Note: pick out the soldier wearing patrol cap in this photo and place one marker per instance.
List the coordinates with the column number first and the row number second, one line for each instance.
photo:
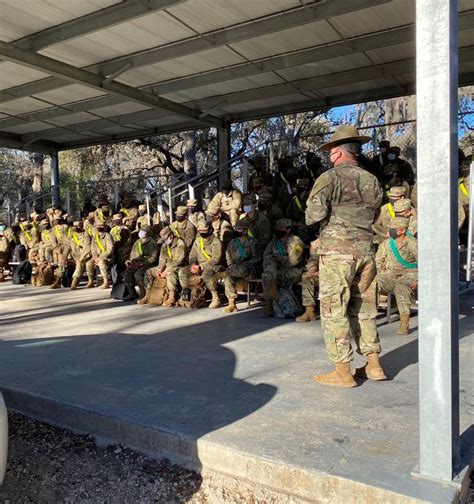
column 193, row 213
column 122, row 238
column 102, row 255
column 205, row 261
column 268, row 208
column 404, row 208
column 297, row 207
column 259, row 227
column 4, row 248
column 310, row 284
column 243, row 262
column 80, row 251
column 387, row 212
column 282, row 263
column 344, row 200
column 45, row 251
column 397, row 268
column 142, row 218
column 227, row 201
column 182, row 228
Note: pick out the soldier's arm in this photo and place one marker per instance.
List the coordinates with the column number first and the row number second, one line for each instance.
column 381, row 257
column 378, row 225
column 179, row 254
column 264, row 232
column 163, row 259
column 228, row 256
column 317, row 206
column 215, row 204
column 193, row 255
column 295, row 251
column 109, row 247
column 153, row 253
column 254, row 259
column 236, row 200
column 216, row 253
column 268, row 254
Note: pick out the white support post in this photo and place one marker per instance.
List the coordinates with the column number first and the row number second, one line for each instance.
column 437, row 168
column 191, row 191
column 170, row 204
column 159, row 207
column 470, row 233
column 116, row 195
column 148, row 209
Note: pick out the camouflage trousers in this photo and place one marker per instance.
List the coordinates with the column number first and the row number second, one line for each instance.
column 3, row 261
column 103, row 267
column 347, row 294
column 172, row 280
column 235, row 273
column 309, row 289
column 400, row 285
column 80, row 267
column 45, row 253
column 33, row 254
column 135, row 277
column 275, row 276
column 210, row 275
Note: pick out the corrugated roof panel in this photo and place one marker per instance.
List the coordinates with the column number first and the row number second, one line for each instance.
column 287, row 40
column 115, row 130
column 12, row 74
column 160, row 121
column 207, row 15
column 145, row 32
column 22, row 106
column 466, row 37
column 28, row 128
column 71, row 93
column 180, row 67
column 356, row 87
column 393, row 53
column 270, row 102
column 123, row 108
column 70, row 119
column 47, row 13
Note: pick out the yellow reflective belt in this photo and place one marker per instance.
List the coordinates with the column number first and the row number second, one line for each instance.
column 283, row 178
column 176, row 232
column 89, row 230
column 76, row 239
column 463, row 187
column 116, row 233
column 298, row 203
column 28, row 236
column 101, row 215
column 391, row 211
column 140, row 248
column 250, row 234
column 69, row 231
column 204, row 253
column 45, row 234
column 99, row 243
column 168, row 250
column 125, row 211
column 22, row 227
column 57, row 232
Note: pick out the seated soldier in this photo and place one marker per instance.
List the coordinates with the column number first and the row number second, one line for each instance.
column 143, row 255
column 392, row 179
column 404, row 208
column 142, row 219
column 396, row 261
column 242, row 262
column 204, row 261
column 282, row 263
column 193, row 213
column 227, row 201
column 221, row 227
column 269, row 209
column 182, row 227
column 310, row 285
column 89, row 224
column 104, row 209
column 297, row 207
column 80, row 251
column 102, row 253
column 122, row 238
column 386, row 213
column 259, row 227
column 129, row 211
column 172, row 256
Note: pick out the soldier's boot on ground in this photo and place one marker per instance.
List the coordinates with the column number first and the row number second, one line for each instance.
column 404, row 328
column 56, row 284
column 132, row 293
column 308, row 316
column 231, row 307
column 215, row 302
column 74, row 283
column 105, row 284
column 268, row 310
column 272, row 292
column 171, row 301
column 340, row 377
column 372, row 370
column 2, row 278
column 90, row 282
column 144, row 299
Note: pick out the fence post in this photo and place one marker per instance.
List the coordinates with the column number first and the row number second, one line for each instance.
column 148, row 209
column 159, row 207
column 170, row 204
column 27, row 209
column 375, row 142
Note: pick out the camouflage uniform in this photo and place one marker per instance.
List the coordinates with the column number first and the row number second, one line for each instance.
column 229, row 204
column 223, row 230
column 80, row 251
column 45, row 251
column 142, row 218
column 122, row 242
column 184, row 230
column 259, row 228
column 4, row 249
column 344, row 200
column 386, row 213
column 402, row 207
column 395, row 277
column 143, row 255
column 102, row 253
column 310, row 283
column 282, row 264
column 130, row 215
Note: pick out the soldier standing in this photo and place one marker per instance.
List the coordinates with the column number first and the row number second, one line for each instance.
column 344, row 200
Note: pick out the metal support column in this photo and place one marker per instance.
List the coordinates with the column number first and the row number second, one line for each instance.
column 223, row 152
column 55, row 178
column 437, row 167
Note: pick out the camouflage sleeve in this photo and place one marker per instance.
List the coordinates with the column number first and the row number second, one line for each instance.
column 193, row 255
column 180, row 253
column 254, row 259
column 215, row 204
column 317, row 205
column 381, row 257
column 378, row 225
column 109, row 247
column 163, row 259
column 268, row 254
column 236, row 200
column 413, row 248
column 378, row 193
column 264, row 232
column 295, row 251
column 216, row 253
column 228, row 254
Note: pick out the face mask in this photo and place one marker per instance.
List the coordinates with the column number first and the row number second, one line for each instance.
column 141, row 234
column 205, row 234
column 391, row 156
column 248, row 208
column 393, row 200
column 180, row 218
column 2, row 228
column 280, row 233
column 169, row 241
column 383, row 150
column 393, row 233
column 100, row 229
column 191, row 210
column 78, row 230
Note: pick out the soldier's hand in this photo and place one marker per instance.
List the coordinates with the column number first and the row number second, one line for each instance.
column 163, row 274
column 313, row 272
column 414, row 285
column 194, row 268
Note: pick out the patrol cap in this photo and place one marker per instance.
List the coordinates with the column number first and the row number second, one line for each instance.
column 344, row 134
column 191, row 202
column 100, row 222
column 397, row 191
column 203, row 225
column 145, row 227
column 281, row 223
column 44, row 222
column 165, row 232
column 33, row 215
column 390, row 169
column 398, row 223
column 384, row 143
column 250, row 199
column 401, row 205
column 395, row 149
column 91, row 215
column 116, row 217
column 77, row 223
column 264, row 197
column 182, row 210
column 57, row 217
column 141, row 207
column 242, row 224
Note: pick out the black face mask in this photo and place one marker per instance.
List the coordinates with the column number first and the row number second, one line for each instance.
column 280, row 233
column 262, row 206
column 205, row 234
column 181, row 218
column 191, row 210
column 78, row 230
column 393, row 200
column 239, row 234
column 393, row 233
column 100, row 229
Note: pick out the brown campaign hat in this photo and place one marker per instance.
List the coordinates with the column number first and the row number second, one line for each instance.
column 344, row 134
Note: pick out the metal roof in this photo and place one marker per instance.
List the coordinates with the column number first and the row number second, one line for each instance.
column 96, row 71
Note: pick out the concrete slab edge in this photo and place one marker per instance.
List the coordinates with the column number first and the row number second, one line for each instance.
column 204, row 456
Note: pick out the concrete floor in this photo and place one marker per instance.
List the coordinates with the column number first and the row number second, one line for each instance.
column 230, row 393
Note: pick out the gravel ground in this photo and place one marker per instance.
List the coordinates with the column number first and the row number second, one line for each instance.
column 50, row 465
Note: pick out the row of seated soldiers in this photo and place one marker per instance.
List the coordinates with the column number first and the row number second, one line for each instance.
column 237, row 238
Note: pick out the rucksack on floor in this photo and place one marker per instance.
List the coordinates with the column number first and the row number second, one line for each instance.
column 22, row 273
column 67, row 276
column 158, row 292
column 194, row 297
column 44, row 275
column 287, row 305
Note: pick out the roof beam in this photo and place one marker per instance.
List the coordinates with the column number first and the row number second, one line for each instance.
column 11, row 141
column 78, row 75
column 291, row 18
column 95, row 21
column 361, row 43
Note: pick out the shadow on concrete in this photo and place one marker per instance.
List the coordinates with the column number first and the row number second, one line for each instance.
column 178, row 381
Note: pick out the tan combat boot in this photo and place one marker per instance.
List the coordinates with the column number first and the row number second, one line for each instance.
column 404, row 328
column 144, row 299
column 308, row 316
column 105, row 284
column 75, row 283
column 340, row 377
column 268, row 310
column 171, row 301
column 90, row 283
column 372, row 370
column 216, row 302
column 56, row 284
column 231, row 308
